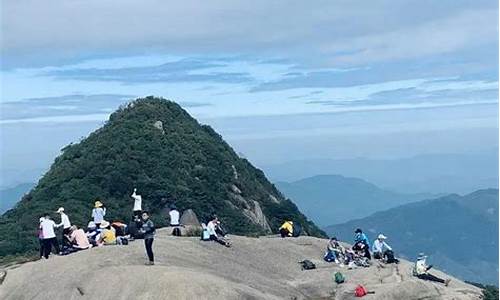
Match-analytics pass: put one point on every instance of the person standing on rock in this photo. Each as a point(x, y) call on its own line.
point(66, 225)
point(49, 236)
point(148, 230)
point(421, 270)
point(137, 203)
point(40, 236)
point(98, 213)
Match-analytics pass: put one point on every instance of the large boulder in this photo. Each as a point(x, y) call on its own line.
point(189, 218)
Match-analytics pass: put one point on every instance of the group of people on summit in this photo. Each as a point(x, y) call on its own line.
point(360, 254)
point(101, 232)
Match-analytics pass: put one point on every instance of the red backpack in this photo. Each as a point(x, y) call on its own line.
point(360, 291)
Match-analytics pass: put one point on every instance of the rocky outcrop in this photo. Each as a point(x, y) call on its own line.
point(257, 216)
point(187, 268)
point(159, 126)
point(189, 218)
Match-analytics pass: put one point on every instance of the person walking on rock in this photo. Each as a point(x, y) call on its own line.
point(148, 229)
point(49, 236)
point(98, 213)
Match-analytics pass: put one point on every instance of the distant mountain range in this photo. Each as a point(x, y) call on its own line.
point(435, 174)
point(333, 199)
point(9, 197)
point(460, 233)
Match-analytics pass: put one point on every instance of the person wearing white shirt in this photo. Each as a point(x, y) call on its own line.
point(174, 216)
point(49, 236)
point(137, 203)
point(380, 247)
point(212, 231)
point(66, 225)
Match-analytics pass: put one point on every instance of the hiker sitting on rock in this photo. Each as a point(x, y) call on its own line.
point(107, 236)
point(215, 231)
point(148, 230)
point(361, 243)
point(334, 251)
point(174, 220)
point(78, 238)
point(421, 270)
point(93, 233)
point(286, 229)
point(380, 247)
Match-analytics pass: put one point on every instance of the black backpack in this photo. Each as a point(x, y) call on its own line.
point(389, 257)
point(307, 264)
point(297, 229)
point(176, 231)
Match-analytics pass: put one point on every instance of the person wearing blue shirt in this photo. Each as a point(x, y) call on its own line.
point(361, 243)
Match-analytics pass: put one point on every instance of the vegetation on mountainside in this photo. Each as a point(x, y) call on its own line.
point(490, 292)
point(180, 161)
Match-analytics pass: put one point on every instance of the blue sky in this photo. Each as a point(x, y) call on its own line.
point(405, 69)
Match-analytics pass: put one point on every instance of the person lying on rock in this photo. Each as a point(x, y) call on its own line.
point(361, 243)
point(148, 230)
point(421, 270)
point(215, 232)
point(286, 229)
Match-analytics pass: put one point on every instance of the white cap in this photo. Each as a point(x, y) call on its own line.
point(60, 210)
point(41, 219)
point(381, 237)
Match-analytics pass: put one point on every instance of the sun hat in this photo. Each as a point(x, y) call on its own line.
point(98, 204)
point(104, 224)
point(60, 210)
point(41, 219)
point(421, 256)
point(381, 237)
point(91, 224)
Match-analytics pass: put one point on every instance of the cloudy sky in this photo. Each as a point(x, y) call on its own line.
point(280, 80)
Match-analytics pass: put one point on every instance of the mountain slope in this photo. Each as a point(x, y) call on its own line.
point(154, 145)
point(187, 268)
point(330, 199)
point(9, 197)
point(460, 233)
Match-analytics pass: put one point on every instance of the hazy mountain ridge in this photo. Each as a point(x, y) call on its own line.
point(432, 173)
point(10, 196)
point(333, 199)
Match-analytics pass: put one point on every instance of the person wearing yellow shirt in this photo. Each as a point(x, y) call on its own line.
point(286, 229)
point(108, 236)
